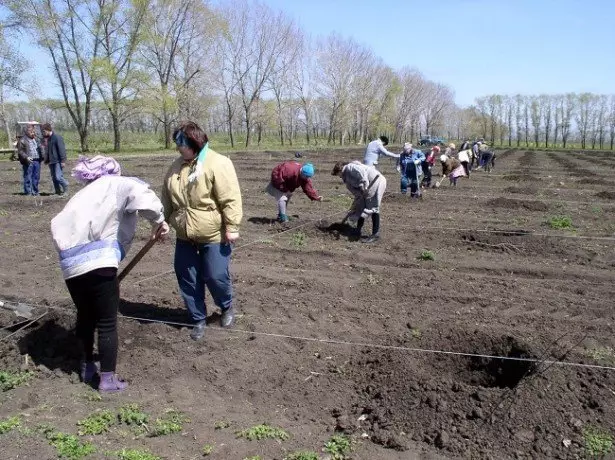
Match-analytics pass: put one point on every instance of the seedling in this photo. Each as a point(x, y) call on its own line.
point(221, 424)
point(598, 442)
point(10, 380)
point(560, 222)
point(302, 456)
point(69, 446)
point(135, 454)
point(415, 333)
point(96, 423)
point(3, 213)
point(299, 239)
point(427, 255)
point(603, 354)
point(171, 422)
point(372, 279)
point(9, 424)
point(339, 446)
point(254, 457)
point(207, 450)
point(258, 432)
point(130, 414)
point(93, 396)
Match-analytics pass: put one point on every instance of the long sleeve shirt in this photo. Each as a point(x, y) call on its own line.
point(374, 150)
point(286, 177)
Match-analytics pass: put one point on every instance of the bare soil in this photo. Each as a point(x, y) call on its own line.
point(502, 282)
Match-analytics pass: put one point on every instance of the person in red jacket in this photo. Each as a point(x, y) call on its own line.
point(285, 179)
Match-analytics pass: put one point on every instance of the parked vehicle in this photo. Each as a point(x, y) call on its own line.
point(431, 140)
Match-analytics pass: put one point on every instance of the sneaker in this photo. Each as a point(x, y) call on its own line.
point(372, 239)
point(111, 383)
point(227, 318)
point(198, 330)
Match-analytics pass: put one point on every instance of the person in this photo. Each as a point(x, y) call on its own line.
point(464, 159)
point(449, 150)
point(55, 157)
point(29, 154)
point(487, 157)
point(375, 149)
point(427, 166)
point(92, 234)
point(285, 179)
point(409, 164)
point(367, 185)
point(202, 202)
point(476, 153)
point(465, 145)
point(452, 168)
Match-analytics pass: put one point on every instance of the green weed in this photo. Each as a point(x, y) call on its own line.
point(254, 457)
point(560, 222)
point(10, 380)
point(9, 424)
point(372, 279)
point(93, 396)
point(96, 423)
point(339, 446)
point(598, 442)
point(299, 239)
point(221, 424)
point(302, 456)
point(69, 446)
point(131, 414)
point(416, 333)
point(602, 354)
point(264, 431)
point(171, 422)
point(207, 450)
point(135, 454)
point(3, 213)
point(427, 255)
point(596, 209)
point(343, 201)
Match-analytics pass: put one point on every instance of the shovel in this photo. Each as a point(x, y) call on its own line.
point(136, 259)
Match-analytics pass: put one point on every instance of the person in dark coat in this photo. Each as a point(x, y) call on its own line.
point(55, 157)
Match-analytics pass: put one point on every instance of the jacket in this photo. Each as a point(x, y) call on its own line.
point(22, 151)
point(360, 179)
point(464, 155)
point(450, 165)
point(56, 151)
point(413, 156)
point(96, 227)
point(204, 210)
point(374, 150)
point(286, 177)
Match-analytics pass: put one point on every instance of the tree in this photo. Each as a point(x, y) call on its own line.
point(536, 110)
point(438, 99)
point(567, 109)
point(611, 120)
point(519, 105)
point(546, 104)
point(409, 104)
point(586, 104)
point(509, 110)
point(12, 69)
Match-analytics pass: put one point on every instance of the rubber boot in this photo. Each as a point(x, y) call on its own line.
point(88, 371)
point(375, 229)
point(283, 218)
point(111, 383)
point(227, 317)
point(357, 231)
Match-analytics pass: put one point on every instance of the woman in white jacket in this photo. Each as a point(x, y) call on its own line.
point(92, 234)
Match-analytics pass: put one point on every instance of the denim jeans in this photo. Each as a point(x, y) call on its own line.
point(57, 177)
point(31, 177)
point(410, 178)
point(199, 265)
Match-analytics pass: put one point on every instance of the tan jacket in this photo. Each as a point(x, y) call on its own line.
point(204, 210)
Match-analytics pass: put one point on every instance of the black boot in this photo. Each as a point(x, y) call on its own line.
point(375, 229)
point(227, 318)
point(357, 231)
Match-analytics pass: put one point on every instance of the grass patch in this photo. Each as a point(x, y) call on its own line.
point(299, 239)
point(9, 424)
point(10, 380)
point(343, 201)
point(136, 454)
point(372, 279)
point(171, 422)
point(93, 396)
point(4, 213)
point(131, 414)
point(207, 450)
point(416, 333)
point(560, 222)
point(96, 423)
point(427, 255)
point(68, 445)
point(339, 446)
point(602, 354)
point(598, 442)
point(305, 455)
point(264, 431)
point(596, 209)
point(221, 424)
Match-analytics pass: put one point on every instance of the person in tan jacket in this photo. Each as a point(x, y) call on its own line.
point(202, 202)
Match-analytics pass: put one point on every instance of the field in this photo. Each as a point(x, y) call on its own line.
point(340, 338)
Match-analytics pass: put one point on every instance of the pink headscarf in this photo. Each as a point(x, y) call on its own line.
point(90, 169)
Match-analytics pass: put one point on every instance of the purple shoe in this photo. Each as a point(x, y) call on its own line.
point(88, 371)
point(111, 383)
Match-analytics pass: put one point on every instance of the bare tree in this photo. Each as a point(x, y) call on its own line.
point(586, 105)
point(409, 104)
point(546, 104)
point(509, 110)
point(12, 69)
point(302, 84)
point(536, 110)
point(611, 120)
point(567, 108)
point(438, 99)
point(519, 104)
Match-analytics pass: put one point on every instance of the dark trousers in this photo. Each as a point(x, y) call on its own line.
point(31, 177)
point(466, 167)
point(97, 297)
point(57, 177)
point(427, 175)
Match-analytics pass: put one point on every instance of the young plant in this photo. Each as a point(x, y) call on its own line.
point(207, 450)
point(10, 380)
point(221, 424)
point(598, 442)
point(339, 446)
point(96, 423)
point(135, 454)
point(171, 422)
point(560, 222)
point(306, 455)
point(131, 414)
point(427, 255)
point(299, 239)
point(264, 431)
point(9, 424)
point(69, 446)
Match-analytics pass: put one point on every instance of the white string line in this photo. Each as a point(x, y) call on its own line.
point(258, 240)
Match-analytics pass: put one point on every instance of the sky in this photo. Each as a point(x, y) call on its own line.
point(478, 47)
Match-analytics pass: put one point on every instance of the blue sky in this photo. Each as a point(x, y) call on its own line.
point(478, 47)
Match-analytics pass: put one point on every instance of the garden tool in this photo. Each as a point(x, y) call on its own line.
point(136, 259)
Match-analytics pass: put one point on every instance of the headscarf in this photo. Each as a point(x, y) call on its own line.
point(90, 169)
point(407, 147)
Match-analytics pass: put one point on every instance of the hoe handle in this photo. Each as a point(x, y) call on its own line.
point(136, 259)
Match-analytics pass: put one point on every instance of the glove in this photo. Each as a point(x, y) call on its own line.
point(398, 168)
point(417, 162)
point(159, 231)
point(319, 198)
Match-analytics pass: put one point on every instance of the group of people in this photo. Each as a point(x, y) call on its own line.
point(32, 151)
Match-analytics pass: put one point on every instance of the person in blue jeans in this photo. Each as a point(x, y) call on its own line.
point(55, 157)
point(409, 165)
point(29, 154)
point(202, 202)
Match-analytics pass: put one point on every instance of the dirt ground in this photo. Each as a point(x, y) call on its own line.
point(502, 282)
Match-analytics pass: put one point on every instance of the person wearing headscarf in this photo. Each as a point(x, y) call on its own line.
point(202, 202)
point(285, 179)
point(375, 149)
point(409, 165)
point(452, 168)
point(367, 185)
point(92, 234)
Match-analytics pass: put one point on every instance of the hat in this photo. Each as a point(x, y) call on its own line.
point(451, 146)
point(307, 170)
point(407, 147)
point(443, 158)
point(435, 148)
point(90, 169)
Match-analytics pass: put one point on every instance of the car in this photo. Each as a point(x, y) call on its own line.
point(431, 140)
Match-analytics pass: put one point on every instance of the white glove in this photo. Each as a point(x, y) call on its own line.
point(398, 168)
point(417, 162)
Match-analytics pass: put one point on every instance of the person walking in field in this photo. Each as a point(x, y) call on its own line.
point(55, 157)
point(29, 154)
point(285, 179)
point(375, 149)
point(409, 165)
point(92, 234)
point(367, 185)
point(202, 202)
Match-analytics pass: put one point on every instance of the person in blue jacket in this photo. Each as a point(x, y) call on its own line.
point(409, 165)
